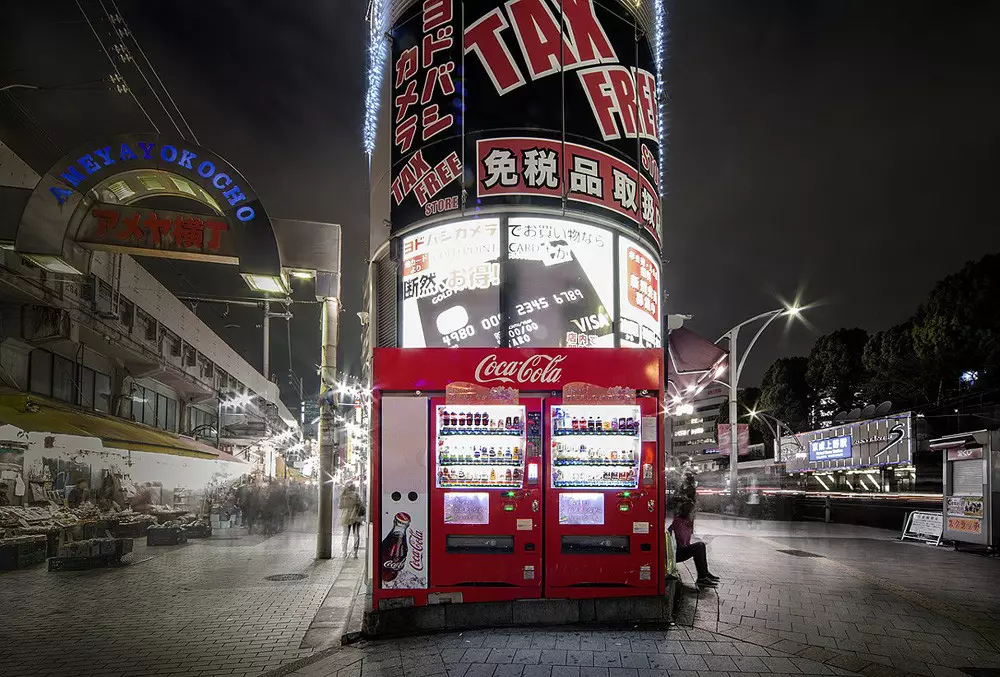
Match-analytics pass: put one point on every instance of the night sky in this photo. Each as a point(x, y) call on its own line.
point(836, 151)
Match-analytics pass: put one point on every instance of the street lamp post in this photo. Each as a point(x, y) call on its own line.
point(734, 380)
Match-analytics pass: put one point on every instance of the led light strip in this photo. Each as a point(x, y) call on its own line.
point(377, 47)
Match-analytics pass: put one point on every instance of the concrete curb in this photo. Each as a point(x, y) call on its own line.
point(414, 620)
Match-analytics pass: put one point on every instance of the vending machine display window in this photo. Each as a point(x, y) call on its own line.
point(480, 446)
point(579, 508)
point(596, 446)
point(466, 507)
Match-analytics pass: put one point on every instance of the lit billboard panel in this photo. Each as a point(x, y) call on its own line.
point(560, 283)
point(451, 286)
point(639, 296)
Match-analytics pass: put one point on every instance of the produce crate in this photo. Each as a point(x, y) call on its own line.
point(81, 563)
point(130, 530)
point(165, 536)
point(20, 555)
point(123, 546)
point(198, 531)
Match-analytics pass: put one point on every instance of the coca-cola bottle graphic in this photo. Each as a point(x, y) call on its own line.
point(392, 552)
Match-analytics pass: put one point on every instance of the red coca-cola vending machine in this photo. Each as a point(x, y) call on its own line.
point(523, 487)
point(604, 510)
point(485, 516)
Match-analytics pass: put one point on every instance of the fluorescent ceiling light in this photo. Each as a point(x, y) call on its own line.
point(269, 284)
point(53, 264)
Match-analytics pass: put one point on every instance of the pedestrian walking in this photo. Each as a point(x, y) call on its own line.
point(683, 529)
point(352, 511)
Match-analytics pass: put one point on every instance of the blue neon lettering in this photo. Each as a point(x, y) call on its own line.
point(168, 150)
point(61, 193)
point(205, 173)
point(147, 150)
point(221, 181)
point(105, 155)
point(72, 176)
point(234, 195)
point(90, 164)
point(126, 153)
point(245, 213)
point(186, 157)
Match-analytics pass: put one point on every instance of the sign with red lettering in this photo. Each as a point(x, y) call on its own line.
point(426, 109)
point(551, 100)
point(432, 369)
point(157, 232)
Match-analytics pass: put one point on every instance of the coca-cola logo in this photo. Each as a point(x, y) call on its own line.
point(416, 550)
point(393, 566)
point(535, 369)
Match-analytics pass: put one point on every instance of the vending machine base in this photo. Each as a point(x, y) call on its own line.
point(654, 610)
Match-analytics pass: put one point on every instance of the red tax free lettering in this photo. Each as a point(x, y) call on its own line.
point(541, 40)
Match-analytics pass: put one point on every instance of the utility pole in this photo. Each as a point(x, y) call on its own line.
point(267, 341)
point(327, 432)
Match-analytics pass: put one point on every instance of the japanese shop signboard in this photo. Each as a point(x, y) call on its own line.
point(540, 101)
point(426, 111)
point(451, 285)
point(639, 296)
point(158, 232)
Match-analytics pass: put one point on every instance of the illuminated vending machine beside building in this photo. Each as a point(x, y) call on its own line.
point(467, 490)
point(515, 272)
point(485, 500)
point(603, 509)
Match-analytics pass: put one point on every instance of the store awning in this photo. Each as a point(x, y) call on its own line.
point(33, 413)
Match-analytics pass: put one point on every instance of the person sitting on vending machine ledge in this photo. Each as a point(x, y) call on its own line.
point(683, 528)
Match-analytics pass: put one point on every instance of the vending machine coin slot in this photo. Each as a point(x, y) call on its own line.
point(480, 545)
point(595, 545)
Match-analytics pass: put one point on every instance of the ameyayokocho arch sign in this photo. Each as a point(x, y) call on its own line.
point(90, 200)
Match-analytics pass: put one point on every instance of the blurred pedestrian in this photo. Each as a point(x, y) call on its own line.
point(352, 510)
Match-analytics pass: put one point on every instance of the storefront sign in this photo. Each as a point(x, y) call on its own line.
point(523, 369)
point(965, 454)
point(576, 77)
point(113, 226)
point(882, 441)
point(965, 525)
point(124, 155)
point(87, 196)
point(965, 506)
point(830, 448)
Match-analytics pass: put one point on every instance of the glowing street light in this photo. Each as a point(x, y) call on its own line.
point(737, 363)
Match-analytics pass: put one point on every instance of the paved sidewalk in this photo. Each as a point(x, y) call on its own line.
point(863, 603)
point(203, 608)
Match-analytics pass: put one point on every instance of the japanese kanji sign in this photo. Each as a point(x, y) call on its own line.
point(426, 132)
point(547, 168)
point(158, 232)
point(573, 81)
point(639, 296)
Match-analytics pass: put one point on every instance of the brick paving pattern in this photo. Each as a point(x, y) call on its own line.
point(202, 608)
point(868, 605)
